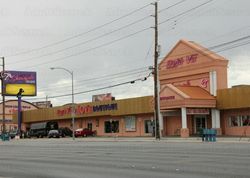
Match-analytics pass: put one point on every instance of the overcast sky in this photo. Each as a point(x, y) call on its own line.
point(37, 35)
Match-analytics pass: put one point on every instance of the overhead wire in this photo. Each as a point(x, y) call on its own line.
point(91, 82)
point(97, 89)
point(84, 42)
point(93, 39)
point(166, 8)
point(98, 37)
point(185, 12)
point(91, 49)
point(80, 34)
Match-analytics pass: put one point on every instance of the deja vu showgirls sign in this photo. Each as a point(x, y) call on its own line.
point(13, 81)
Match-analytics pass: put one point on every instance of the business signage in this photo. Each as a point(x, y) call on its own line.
point(189, 59)
point(102, 97)
point(81, 110)
point(197, 111)
point(13, 81)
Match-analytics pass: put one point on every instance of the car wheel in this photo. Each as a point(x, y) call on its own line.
point(84, 135)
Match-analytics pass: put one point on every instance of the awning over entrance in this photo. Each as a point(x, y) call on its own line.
point(185, 96)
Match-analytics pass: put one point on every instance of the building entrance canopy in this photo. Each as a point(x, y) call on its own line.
point(186, 96)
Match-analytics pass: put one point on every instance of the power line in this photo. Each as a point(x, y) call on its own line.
point(185, 12)
point(226, 34)
point(235, 46)
point(84, 42)
point(94, 80)
point(171, 6)
point(97, 89)
point(230, 42)
point(91, 49)
point(105, 44)
point(80, 88)
point(80, 34)
point(98, 37)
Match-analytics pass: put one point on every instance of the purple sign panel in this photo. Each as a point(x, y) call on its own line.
point(20, 77)
point(13, 81)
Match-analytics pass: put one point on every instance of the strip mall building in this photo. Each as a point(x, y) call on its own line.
point(193, 94)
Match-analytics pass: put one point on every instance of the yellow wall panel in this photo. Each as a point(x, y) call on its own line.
point(124, 107)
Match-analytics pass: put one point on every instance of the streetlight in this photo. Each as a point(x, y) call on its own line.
point(72, 105)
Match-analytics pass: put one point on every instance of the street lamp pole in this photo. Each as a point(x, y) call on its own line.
point(72, 105)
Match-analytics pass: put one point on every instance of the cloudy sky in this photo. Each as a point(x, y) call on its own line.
point(110, 42)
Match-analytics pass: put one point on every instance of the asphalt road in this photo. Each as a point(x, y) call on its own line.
point(65, 158)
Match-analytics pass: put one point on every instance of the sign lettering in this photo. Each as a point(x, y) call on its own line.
point(80, 110)
point(167, 98)
point(191, 111)
point(180, 61)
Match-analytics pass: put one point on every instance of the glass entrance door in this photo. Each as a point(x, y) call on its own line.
point(90, 126)
point(200, 122)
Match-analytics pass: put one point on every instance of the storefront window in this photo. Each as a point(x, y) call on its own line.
point(234, 121)
point(149, 126)
point(239, 121)
point(245, 120)
point(130, 123)
point(111, 126)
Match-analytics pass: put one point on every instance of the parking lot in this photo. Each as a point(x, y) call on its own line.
point(66, 158)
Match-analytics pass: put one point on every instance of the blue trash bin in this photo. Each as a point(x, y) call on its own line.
point(5, 137)
point(213, 135)
point(210, 135)
point(205, 135)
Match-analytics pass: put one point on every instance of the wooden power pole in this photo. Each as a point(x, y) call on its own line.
point(156, 93)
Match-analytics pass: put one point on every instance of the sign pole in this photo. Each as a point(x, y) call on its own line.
point(19, 114)
point(19, 96)
point(3, 97)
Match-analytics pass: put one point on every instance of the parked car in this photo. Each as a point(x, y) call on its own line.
point(13, 134)
point(53, 134)
point(65, 131)
point(84, 132)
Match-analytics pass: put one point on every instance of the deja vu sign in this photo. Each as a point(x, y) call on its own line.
point(13, 81)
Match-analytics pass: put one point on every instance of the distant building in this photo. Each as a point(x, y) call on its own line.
point(10, 109)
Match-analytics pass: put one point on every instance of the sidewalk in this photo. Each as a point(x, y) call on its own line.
point(163, 139)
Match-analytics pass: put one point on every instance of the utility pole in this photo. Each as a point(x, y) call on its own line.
point(3, 96)
point(156, 93)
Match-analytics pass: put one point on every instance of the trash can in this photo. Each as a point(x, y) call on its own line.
point(209, 133)
point(205, 135)
point(213, 135)
point(5, 137)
